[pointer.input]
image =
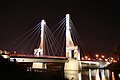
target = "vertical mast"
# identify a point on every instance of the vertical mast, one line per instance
(71, 49)
(43, 23)
(40, 51)
(69, 41)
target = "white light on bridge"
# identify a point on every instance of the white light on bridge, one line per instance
(89, 59)
(86, 57)
(119, 75)
(96, 55)
(82, 58)
(103, 56)
(106, 60)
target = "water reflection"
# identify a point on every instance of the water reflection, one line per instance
(90, 74)
(113, 78)
(73, 75)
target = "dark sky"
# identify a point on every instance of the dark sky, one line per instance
(97, 22)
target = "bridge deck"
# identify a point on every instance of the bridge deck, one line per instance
(30, 58)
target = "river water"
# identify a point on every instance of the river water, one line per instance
(91, 74)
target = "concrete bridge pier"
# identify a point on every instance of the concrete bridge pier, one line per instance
(73, 64)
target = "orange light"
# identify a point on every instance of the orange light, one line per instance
(119, 75)
(111, 60)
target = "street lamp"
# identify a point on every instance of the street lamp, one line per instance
(103, 56)
(86, 57)
(96, 56)
(82, 58)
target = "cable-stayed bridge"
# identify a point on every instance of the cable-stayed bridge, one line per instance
(57, 46)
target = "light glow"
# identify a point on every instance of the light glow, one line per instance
(82, 58)
(97, 55)
(86, 57)
(103, 56)
(119, 75)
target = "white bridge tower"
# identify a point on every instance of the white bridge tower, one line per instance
(40, 51)
(72, 51)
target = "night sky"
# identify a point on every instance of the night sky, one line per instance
(97, 22)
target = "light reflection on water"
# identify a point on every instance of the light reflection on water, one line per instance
(90, 74)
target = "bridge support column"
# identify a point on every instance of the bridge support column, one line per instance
(38, 65)
(73, 64)
(71, 50)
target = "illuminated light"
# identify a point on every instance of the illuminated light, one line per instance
(97, 55)
(89, 59)
(119, 75)
(103, 56)
(106, 60)
(112, 58)
(82, 58)
(86, 57)
(108, 63)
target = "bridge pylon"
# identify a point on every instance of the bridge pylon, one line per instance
(72, 51)
(40, 51)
